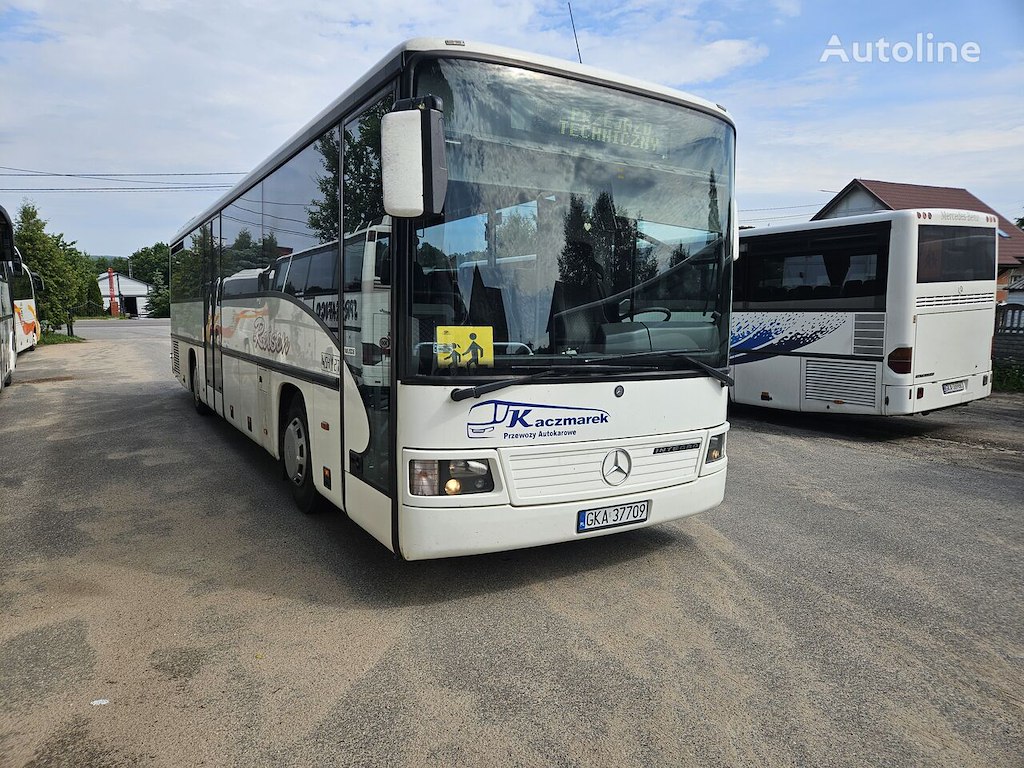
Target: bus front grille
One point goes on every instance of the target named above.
(572, 472)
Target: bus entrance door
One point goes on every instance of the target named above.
(211, 347)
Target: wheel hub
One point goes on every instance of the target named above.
(295, 451)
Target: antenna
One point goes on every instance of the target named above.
(573, 22)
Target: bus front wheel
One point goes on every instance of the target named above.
(297, 459)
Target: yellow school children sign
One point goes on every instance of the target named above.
(465, 346)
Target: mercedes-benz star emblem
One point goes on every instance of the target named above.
(616, 467)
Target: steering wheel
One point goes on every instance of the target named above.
(645, 310)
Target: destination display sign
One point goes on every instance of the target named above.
(611, 128)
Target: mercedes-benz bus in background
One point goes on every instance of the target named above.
(27, 330)
(887, 313)
(494, 303)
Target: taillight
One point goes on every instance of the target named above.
(901, 359)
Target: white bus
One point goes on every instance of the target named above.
(27, 329)
(10, 268)
(887, 313)
(481, 302)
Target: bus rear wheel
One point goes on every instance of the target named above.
(297, 459)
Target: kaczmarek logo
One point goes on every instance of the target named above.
(511, 420)
(616, 467)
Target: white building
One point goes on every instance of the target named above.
(132, 295)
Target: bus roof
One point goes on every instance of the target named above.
(393, 62)
(948, 216)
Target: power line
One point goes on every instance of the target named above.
(27, 172)
(33, 173)
(182, 188)
(781, 208)
(775, 218)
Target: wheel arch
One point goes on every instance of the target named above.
(287, 393)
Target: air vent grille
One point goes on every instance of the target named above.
(869, 334)
(850, 382)
(955, 300)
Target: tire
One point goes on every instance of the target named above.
(200, 406)
(297, 458)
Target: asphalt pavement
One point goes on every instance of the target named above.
(856, 601)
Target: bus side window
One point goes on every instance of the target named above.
(280, 271)
(382, 262)
(321, 272)
(297, 274)
(739, 280)
(353, 265)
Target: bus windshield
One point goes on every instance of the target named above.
(580, 223)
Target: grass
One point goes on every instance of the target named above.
(59, 338)
(1007, 377)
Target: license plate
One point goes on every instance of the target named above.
(612, 517)
(953, 386)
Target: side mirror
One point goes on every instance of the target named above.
(412, 158)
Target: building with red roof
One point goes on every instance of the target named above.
(867, 196)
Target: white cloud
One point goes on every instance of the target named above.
(188, 85)
(155, 85)
(787, 7)
(825, 130)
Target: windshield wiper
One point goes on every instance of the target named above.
(493, 386)
(714, 373)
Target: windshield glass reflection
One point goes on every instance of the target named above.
(579, 223)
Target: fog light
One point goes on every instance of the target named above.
(716, 448)
(423, 477)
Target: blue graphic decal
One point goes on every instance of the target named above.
(768, 335)
(528, 421)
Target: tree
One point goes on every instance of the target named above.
(93, 297)
(1020, 223)
(516, 235)
(322, 214)
(64, 268)
(364, 203)
(150, 263)
(159, 302)
(575, 262)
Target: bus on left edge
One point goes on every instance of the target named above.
(10, 267)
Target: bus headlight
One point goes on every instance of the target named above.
(450, 477)
(716, 448)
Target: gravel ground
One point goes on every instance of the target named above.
(856, 601)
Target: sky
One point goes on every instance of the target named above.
(121, 90)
